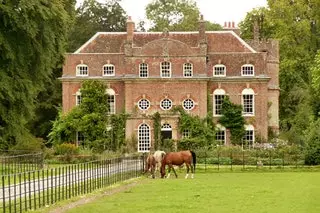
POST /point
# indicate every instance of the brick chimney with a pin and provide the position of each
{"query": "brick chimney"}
(202, 30)
(130, 29)
(256, 31)
(231, 26)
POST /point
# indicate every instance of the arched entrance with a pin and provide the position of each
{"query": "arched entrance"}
(166, 131)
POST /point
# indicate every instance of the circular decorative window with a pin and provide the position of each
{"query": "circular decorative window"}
(166, 104)
(188, 104)
(144, 104)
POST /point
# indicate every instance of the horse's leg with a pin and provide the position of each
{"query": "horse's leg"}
(187, 165)
(192, 170)
(174, 171)
(169, 170)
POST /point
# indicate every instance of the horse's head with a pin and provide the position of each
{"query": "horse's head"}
(148, 164)
(163, 168)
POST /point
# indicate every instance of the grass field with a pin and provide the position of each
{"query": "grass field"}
(294, 192)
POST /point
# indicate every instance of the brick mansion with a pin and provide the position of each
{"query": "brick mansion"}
(148, 72)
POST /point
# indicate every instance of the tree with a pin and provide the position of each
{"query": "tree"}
(92, 17)
(89, 118)
(175, 15)
(233, 120)
(296, 25)
(32, 44)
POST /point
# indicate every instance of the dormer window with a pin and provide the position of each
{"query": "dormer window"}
(143, 70)
(82, 70)
(108, 70)
(219, 70)
(165, 69)
(187, 70)
(247, 70)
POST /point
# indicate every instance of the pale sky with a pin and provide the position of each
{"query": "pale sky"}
(218, 11)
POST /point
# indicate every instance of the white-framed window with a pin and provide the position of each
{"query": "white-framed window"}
(219, 70)
(218, 97)
(248, 102)
(187, 70)
(143, 70)
(248, 138)
(247, 70)
(82, 70)
(166, 104)
(78, 98)
(108, 70)
(220, 134)
(144, 138)
(111, 99)
(188, 104)
(166, 127)
(186, 133)
(79, 138)
(165, 69)
(144, 104)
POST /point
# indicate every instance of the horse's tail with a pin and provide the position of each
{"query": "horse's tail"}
(194, 160)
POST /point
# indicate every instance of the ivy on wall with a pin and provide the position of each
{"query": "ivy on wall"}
(157, 130)
(233, 120)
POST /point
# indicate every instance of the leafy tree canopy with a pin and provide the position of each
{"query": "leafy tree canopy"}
(175, 15)
(92, 17)
(32, 43)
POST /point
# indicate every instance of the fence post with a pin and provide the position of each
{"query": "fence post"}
(3, 195)
(243, 159)
(231, 157)
(218, 160)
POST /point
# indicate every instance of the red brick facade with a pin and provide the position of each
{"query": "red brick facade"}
(203, 50)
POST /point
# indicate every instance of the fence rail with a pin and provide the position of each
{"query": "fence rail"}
(250, 158)
(35, 189)
(18, 163)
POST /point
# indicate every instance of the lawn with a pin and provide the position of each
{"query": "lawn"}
(294, 192)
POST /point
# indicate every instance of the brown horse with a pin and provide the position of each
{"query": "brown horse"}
(178, 158)
(150, 165)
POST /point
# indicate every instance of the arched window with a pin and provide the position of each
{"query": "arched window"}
(220, 134)
(82, 70)
(143, 138)
(219, 70)
(108, 70)
(111, 98)
(248, 138)
(187, 70)
(248, 102)
(143, 70)
(166, 127)
(78, 98)
(165, 69)
(186, 133)
(247, 70)
(166, 104)
(218, 97)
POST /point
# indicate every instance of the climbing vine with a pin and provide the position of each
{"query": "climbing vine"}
(233, 120)
(157, 130)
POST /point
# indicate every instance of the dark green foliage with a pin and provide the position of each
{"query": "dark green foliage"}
(157, 130)
(92, 17)
(192, 143)
(197, 127)
(312, 150)
(90, 117)
(32, 43)
(176, 15)
(233, 120)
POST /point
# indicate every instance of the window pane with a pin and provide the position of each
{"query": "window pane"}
(143, 70)
(144, 138)
(165, 70)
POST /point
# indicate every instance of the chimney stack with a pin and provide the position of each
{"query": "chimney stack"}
(130, 29)
(202, 30)
(256, 31)
(231, 26)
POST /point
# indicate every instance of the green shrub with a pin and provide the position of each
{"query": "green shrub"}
(66, 149)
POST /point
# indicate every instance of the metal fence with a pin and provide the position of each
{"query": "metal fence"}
(260, 158)
(35, 189)
(17, 163)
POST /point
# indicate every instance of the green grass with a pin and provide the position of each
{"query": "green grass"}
(294, 192)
